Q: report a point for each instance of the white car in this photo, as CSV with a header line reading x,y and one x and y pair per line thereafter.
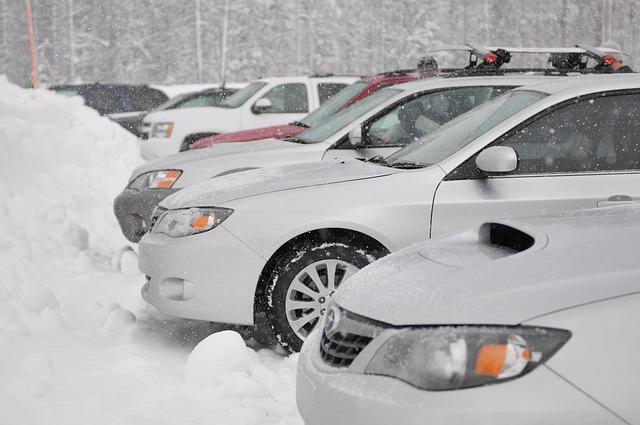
x,y
515,322
268,101
280,240
385,114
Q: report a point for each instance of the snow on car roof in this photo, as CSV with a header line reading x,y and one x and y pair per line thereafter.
x,y
584,84
502,80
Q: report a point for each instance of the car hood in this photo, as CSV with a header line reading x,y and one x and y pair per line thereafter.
x,y
275,132
465,279
179,160
220,190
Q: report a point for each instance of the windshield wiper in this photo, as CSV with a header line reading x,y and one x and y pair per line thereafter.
x,y
299,124
378,159
295,140
405,165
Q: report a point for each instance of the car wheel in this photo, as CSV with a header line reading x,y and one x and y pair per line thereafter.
x,y
302,283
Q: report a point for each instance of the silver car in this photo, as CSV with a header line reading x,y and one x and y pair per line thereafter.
x,y
279,241
515,322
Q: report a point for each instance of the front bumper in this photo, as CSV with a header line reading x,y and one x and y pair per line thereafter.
x,y
156,147
134,210
327,395
209,276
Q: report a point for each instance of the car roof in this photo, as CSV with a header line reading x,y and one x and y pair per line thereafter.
x,y
501,80
585,84
306,78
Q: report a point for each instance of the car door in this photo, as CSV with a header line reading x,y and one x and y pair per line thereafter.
x,y
413,118
288,102
583,153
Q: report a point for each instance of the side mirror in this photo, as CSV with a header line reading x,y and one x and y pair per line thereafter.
x,y
497,159
261,106
355,136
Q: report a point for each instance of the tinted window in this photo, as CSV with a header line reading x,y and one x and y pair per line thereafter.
x,y
103,99
424,114
327,90
596,134
202,99
144,98
287,98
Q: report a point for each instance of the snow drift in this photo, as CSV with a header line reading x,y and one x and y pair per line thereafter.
x,y
77,343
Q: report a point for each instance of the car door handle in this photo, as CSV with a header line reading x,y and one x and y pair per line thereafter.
x,y
617,200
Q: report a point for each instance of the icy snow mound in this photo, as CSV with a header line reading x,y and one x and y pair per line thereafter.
x,y
61,165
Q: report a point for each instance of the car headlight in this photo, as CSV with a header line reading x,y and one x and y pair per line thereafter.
x,y
453,357
161,129
162,179
186,222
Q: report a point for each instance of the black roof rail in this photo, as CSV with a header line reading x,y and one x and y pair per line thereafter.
x,y
398,72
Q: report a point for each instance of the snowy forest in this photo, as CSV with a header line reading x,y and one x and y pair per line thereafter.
x,y
181,41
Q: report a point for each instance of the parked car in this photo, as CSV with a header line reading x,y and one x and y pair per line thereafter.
x,y
343,99
437,101
268,101
122,103
279,240
213,96
514,322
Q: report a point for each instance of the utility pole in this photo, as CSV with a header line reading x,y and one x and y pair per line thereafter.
x,y
32,47
223,51
198,42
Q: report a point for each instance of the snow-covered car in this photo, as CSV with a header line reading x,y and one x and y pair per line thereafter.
x,y
280,240
385,113
515,322
268,101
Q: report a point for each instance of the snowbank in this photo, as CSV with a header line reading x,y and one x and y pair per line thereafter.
x,y
61,165
77,343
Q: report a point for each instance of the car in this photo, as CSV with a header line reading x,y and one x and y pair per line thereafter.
x,y
343,99
268,101
123,103
212,96
277,241
444,98
513,322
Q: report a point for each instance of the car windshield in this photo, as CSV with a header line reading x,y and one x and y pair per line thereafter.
x,y
337,122
241,96
334,104
461,131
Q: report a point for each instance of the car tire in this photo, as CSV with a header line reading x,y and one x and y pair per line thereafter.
x,y
292,285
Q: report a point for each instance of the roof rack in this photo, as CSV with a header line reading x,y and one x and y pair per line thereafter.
x,y
563,60
398,72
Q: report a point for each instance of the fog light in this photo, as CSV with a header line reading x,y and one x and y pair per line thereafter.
x,y
177,289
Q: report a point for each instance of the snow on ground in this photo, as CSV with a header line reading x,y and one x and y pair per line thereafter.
x,y
77,343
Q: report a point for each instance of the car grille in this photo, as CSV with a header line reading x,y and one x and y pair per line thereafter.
x,y
339,349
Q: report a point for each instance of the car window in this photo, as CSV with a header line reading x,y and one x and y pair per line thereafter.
x,y
335,123
459,132
287,98
424,114
334,104
241,96
327,90
204,99
597,134
103,99
144,98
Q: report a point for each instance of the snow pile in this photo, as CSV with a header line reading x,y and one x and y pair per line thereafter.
x,y
77,343
61,165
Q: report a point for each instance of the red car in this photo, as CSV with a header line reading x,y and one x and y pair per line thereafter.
x,y
344,98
